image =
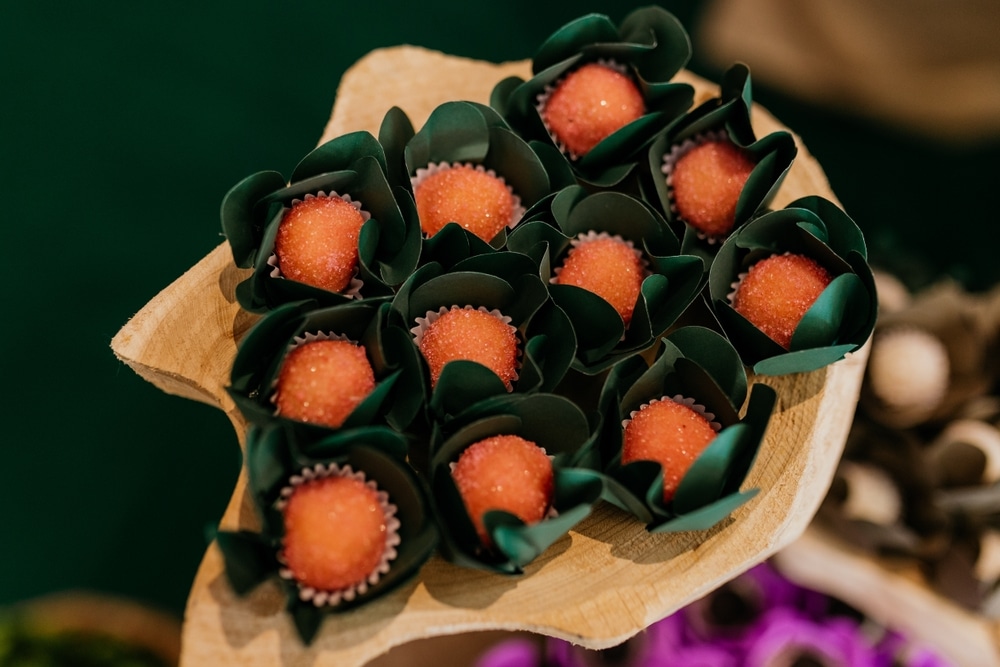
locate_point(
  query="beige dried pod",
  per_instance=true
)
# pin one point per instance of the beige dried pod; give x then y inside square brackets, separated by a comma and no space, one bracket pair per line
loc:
[966,453]
[907,376]
[871,494]
[893,295]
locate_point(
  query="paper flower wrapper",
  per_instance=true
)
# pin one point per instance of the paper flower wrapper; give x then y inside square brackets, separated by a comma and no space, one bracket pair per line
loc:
[728,116]
[672,282]
[698,364]
[650,43]
[274,455]
[552,422]
[843,316]
[353,164]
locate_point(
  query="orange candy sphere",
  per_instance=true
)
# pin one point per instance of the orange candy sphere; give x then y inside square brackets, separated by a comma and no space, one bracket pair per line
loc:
[317,242]
[778,291]
[670,433]
[335,533]
[473,335]
[707,182]
[322,381]
[609,268]
[476,200]
[504,472]
[589,104]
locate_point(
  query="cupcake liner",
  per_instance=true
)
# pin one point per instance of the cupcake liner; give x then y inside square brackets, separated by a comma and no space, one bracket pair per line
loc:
[670,158]
[422,173]
[322,598]
[432,316]
[542,99]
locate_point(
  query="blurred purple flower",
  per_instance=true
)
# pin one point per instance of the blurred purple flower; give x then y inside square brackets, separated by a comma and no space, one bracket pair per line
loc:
[787,638]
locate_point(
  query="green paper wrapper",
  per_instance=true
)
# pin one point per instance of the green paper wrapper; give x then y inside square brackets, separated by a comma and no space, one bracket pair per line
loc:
[553,423]
[398,395]
[841,319]
[698,364]
[727,116]
[507,282]
[274,454]
[651,44]
[463,133]
[672,284]
[354,165]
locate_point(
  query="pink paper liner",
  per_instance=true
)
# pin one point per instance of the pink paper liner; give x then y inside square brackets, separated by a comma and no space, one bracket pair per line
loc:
[422,173]
[353,290]
[321,598]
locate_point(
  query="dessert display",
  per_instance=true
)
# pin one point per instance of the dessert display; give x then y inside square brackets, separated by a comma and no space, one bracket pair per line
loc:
[564,366]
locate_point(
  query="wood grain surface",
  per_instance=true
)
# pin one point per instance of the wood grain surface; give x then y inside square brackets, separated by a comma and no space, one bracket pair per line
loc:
[597,586]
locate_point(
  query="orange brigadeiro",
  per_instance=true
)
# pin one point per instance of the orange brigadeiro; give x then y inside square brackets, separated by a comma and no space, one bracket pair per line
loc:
[473,335]
[607,266]
[670,433]
[478,201]
[322,381]
[504,472]
[706,183]
[589,104]
[317,242]
[335,533]
[778,291]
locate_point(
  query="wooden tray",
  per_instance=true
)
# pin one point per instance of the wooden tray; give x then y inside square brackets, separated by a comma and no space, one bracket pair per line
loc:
[599,585]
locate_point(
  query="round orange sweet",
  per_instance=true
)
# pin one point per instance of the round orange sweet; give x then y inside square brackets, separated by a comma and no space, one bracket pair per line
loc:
[473,335]
[609,268]
[317,242]
[778,291]
[322,381]
[478,201]
[670,433]
[504,472]
[707,182]
[589,104]
[335,533]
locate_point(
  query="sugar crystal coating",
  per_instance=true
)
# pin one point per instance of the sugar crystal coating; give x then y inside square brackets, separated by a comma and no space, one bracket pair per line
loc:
[589,104]
[778,291]
[504,472]
[322,381]
[706,183]
[670,433]
[478,201]
[473,335]
[335,533]
[317,242]
[609,268]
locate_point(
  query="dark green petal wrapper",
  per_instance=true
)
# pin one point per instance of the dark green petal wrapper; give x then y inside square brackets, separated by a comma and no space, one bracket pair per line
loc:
[274,454]
[553,423]
[460,133]
[841,319]
[353,164]
[730,113]
[697,363]
[673,283]
[650,42]
[398,394]
[505,281]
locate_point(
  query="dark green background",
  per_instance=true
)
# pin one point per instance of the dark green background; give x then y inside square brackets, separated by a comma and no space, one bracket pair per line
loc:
[123,124]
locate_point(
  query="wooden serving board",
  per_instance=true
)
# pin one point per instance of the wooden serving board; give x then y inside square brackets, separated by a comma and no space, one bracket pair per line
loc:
[605,581]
